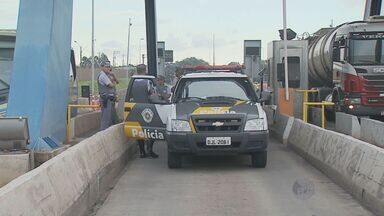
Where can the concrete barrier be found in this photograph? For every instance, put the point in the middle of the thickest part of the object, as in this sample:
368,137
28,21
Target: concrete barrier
74,181
347,124
86,123
372,131
282,127
355,165
13,165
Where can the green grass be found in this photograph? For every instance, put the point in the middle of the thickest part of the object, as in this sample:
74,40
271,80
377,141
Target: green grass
123,84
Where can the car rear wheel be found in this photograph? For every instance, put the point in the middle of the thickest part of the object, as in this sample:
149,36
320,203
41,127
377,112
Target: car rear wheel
259,159
174,160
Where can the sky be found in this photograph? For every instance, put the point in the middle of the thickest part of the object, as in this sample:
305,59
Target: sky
187,26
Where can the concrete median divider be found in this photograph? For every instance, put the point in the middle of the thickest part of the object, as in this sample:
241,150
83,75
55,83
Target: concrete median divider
347,124
72,182
86,123
372,131
281,127
355,165
13,165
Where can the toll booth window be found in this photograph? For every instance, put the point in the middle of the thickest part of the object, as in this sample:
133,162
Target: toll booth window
140,91
252,51
293,72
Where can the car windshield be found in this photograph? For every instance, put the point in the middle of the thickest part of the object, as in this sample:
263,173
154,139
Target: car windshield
367,52
215,89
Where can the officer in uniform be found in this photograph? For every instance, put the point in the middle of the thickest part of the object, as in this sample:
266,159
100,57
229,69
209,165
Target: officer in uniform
108,98
164,92
143,92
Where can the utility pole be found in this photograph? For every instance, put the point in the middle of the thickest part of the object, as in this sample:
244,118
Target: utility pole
150,19
214,52
129,41
81,52
140,50
114,58
93,47
285,50
143,56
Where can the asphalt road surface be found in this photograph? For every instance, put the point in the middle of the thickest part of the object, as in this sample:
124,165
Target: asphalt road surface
228,186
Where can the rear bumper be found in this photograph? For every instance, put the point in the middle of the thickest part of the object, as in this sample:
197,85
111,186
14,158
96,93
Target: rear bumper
194,143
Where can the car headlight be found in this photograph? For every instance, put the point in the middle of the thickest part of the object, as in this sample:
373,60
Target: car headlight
254,125
180,126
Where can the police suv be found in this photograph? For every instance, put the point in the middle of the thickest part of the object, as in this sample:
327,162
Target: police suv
210,113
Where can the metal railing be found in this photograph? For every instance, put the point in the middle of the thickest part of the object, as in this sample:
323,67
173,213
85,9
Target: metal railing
69,109
307,104
322,104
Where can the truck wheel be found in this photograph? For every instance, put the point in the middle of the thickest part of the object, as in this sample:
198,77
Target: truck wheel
259,159
174,160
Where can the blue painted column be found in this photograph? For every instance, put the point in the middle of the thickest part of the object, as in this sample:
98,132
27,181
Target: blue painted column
40,77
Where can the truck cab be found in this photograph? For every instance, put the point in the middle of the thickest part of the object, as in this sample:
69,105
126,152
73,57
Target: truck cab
210,113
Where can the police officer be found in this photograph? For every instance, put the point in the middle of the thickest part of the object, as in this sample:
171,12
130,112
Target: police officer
142,91
163,90
107,91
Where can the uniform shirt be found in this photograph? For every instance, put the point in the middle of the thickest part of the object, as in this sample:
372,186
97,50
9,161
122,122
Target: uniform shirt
163,91
104,79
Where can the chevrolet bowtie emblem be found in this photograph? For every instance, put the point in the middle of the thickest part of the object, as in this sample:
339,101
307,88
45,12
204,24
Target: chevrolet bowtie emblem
218,124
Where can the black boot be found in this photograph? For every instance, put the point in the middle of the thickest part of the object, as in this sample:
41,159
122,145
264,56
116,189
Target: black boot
142,149
150,149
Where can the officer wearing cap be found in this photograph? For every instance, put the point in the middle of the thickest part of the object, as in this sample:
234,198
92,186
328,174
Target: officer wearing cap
107,90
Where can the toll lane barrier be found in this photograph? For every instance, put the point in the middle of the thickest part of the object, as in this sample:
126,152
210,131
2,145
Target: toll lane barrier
372,131
13,165
355,165
72,182
347,124
86,123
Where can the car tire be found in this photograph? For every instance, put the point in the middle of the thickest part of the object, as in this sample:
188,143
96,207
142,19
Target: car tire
174,160
259,159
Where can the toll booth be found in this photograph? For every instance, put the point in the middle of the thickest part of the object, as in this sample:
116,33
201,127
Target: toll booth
297,75
161,58
252,58
168,56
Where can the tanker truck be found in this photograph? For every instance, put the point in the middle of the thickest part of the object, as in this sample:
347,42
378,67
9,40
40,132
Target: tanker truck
346,64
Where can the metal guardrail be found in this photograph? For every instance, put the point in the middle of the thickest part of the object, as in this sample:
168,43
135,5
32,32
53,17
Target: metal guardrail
69,109
322,104
307,104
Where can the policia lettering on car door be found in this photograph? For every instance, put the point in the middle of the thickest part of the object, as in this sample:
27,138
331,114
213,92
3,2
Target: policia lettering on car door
142,117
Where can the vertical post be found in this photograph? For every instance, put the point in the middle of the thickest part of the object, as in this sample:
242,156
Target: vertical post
129,41
68,123
285,50
323,115
305,113
93,47
305,100
213,52
150,18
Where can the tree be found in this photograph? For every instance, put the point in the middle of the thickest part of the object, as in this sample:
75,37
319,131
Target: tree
191,61
87,61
